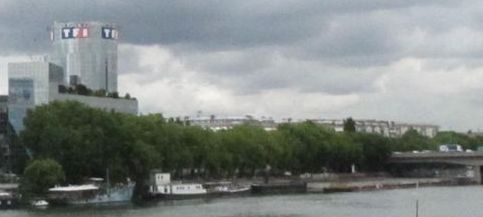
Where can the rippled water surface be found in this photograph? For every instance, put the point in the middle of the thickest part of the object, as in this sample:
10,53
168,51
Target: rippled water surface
433,202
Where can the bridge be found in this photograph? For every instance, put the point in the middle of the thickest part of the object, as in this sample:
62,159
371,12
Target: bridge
473,159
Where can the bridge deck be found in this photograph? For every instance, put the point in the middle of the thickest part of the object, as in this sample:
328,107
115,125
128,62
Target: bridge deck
467,158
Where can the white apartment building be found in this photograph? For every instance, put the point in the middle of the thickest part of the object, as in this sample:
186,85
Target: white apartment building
385,128
223,123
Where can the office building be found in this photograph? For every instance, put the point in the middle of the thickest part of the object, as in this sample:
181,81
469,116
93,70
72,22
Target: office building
87,51
381,127
36,83
29,85
223,123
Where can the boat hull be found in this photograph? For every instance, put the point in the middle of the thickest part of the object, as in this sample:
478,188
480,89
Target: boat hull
116,195
281,188
178,196
231,192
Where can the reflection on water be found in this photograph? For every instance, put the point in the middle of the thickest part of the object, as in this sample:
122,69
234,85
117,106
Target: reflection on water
434,202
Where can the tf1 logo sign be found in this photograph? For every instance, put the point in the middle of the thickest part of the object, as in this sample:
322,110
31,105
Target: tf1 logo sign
74,32
109,33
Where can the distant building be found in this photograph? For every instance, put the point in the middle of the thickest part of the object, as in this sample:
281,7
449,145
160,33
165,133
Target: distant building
36,83
84,55
385,128
128,106
5,151
29,85
87,51
223,123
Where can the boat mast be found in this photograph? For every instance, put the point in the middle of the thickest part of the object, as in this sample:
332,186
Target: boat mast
108,187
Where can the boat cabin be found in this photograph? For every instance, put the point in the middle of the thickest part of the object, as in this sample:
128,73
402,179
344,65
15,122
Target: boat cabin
161,184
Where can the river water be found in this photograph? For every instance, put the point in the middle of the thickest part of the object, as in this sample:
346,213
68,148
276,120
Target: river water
433,202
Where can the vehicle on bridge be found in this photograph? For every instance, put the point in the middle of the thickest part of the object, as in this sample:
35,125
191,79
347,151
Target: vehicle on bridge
450,148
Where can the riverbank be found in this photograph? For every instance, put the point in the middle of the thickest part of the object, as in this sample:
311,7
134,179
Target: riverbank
332,183
373,184
329,184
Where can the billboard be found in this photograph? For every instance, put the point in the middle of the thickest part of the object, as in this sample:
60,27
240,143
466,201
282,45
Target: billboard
109,33
74,32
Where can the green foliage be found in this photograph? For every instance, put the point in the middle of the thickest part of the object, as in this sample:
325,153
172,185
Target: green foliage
349,125
412,140
40,175
84,140
458,138
82,90
87,141
375,150
100,93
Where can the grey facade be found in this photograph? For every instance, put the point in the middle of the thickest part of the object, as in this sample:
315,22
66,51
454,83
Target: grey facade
36,83
87,51
129,106
29,85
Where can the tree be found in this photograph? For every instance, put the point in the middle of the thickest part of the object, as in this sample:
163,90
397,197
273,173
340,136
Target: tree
343,153
376,149
84,140
62,89
449,137
115,94
82,90
412,140
349,125
309,145
100,93
40,175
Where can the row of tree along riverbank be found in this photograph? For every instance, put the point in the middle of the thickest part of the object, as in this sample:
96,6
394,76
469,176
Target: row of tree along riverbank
67,142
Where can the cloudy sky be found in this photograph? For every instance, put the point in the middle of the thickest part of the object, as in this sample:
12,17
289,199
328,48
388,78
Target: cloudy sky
403,60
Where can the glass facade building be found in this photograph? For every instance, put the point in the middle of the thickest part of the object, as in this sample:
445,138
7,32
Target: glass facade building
87,51
29,85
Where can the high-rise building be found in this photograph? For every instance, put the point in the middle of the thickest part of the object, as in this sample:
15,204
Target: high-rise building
87,51
83,53
36,83
29,84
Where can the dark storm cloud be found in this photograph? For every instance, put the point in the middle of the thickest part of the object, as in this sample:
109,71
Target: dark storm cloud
253,45
206,24
411,56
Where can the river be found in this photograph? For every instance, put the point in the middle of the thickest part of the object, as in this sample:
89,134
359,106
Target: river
433,202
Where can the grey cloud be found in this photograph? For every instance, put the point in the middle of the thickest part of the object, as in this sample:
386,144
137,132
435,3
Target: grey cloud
332,47
204,24
249,72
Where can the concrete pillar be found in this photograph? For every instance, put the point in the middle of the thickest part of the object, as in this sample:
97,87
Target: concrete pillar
477,172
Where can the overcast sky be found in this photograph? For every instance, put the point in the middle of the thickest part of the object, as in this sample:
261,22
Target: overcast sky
404,60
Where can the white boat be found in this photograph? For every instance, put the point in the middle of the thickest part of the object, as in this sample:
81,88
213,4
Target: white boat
39,203
231,189
162,187
226,188
90,194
